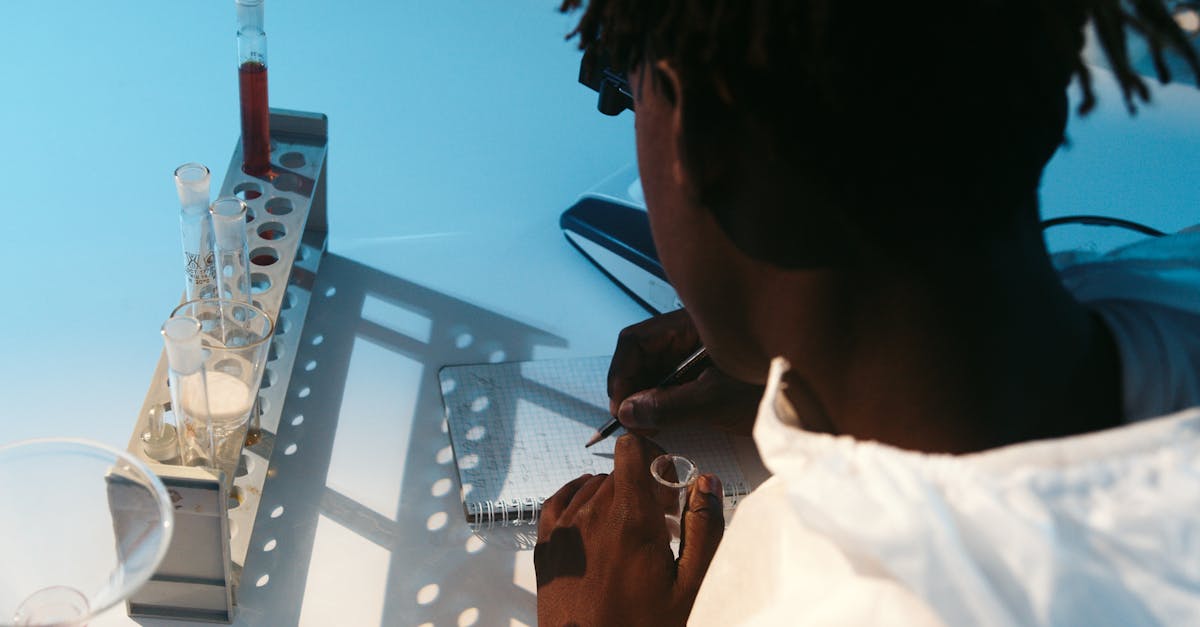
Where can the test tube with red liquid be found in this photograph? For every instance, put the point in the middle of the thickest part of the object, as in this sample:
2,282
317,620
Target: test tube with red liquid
252,83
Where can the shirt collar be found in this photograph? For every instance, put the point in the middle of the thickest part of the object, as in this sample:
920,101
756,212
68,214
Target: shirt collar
786,447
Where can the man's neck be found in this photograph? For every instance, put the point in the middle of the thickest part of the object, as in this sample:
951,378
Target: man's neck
982,352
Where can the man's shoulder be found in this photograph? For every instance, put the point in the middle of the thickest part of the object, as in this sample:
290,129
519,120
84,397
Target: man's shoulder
1163,270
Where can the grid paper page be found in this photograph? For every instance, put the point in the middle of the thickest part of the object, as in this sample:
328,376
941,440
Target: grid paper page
518,430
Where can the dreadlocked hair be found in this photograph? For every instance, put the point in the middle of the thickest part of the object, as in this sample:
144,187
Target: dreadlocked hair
907,113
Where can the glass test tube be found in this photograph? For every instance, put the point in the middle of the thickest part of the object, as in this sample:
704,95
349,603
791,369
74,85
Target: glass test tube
192,184
673,475
160,440
252,87
189,391
231,249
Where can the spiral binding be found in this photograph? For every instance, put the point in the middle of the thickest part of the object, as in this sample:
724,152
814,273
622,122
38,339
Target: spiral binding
499,513
523,512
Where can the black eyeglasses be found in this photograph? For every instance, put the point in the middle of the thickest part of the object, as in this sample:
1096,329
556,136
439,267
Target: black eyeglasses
613,86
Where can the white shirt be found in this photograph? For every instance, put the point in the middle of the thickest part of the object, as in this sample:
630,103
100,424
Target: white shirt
1097,529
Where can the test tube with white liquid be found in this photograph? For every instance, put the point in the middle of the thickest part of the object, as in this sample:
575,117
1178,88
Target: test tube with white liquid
228,401
192,182
233,267
233,339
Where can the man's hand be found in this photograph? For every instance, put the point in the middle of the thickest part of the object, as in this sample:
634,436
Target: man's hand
650,350
603,555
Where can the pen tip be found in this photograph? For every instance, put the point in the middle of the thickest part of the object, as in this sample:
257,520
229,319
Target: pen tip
596,437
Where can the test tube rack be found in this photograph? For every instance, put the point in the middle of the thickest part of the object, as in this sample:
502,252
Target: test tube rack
287,232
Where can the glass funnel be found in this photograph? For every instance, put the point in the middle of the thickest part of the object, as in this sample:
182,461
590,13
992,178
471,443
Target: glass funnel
83,527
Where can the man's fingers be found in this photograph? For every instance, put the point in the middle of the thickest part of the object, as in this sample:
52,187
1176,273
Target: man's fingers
650,410
627,370
631,462
584,496
646,352
712,399
553,507
703,526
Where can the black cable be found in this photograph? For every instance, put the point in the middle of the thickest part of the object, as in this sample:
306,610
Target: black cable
1102,221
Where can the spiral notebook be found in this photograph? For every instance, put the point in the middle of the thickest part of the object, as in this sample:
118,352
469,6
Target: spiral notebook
518,429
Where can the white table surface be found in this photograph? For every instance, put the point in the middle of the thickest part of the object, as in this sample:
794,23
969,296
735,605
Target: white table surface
458,135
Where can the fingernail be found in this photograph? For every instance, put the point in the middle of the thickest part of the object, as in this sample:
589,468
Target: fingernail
710,484
633,414
626,445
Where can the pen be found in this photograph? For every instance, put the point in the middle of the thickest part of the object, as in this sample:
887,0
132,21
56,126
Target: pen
686,367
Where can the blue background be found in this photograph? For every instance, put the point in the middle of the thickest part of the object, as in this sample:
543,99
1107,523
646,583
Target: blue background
458,135
454,125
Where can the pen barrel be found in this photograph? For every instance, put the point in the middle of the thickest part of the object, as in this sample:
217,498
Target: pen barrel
689,365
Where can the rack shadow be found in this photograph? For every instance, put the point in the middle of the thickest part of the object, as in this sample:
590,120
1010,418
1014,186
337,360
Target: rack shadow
437,571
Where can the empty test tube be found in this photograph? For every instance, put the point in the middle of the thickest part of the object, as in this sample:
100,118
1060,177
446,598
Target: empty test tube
189,391
192,184
231,249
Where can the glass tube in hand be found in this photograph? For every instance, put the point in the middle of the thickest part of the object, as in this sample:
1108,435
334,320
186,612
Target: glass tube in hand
252,88
673,476
231,249
192,182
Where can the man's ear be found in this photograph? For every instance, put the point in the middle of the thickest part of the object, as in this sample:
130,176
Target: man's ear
666,80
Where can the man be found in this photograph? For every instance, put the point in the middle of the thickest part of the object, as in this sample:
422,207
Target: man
844,195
